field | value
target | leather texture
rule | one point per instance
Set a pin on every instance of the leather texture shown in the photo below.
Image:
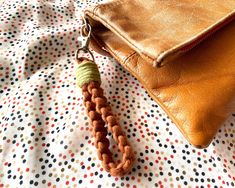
(196, 89)
(161, 30)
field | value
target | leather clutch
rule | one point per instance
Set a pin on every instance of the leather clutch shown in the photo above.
(182, 52)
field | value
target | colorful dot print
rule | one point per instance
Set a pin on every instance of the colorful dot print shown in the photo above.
(45, 133)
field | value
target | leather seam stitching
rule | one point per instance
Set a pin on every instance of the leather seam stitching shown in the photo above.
(129, 56)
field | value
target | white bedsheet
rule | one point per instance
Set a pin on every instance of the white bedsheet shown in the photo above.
(45, 134)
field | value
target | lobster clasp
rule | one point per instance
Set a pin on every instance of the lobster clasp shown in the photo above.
(84, 40)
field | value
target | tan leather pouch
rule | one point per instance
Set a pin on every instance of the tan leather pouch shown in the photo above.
(183, 53)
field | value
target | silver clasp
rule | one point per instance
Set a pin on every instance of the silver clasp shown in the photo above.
(84, 40)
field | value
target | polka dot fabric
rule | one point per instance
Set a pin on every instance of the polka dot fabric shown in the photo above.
(45, 133)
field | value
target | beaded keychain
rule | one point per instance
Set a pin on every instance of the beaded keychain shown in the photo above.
(99, 111)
